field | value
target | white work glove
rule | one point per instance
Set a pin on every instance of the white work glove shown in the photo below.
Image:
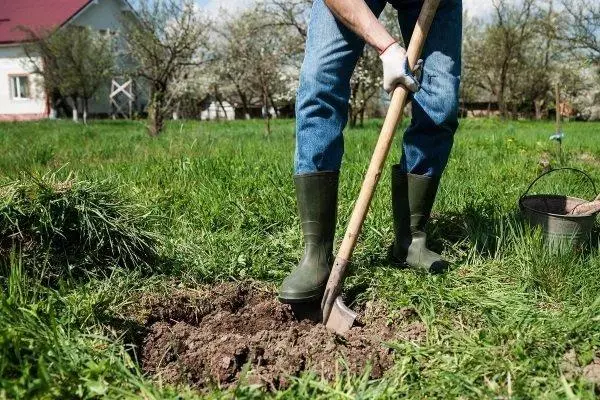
(396, 70)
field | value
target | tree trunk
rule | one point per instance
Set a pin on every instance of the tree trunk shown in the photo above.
(558, 113)
(75, 111)
(273, 105)
(501, 104)
(84, 110)
(244, 100)
(54, 103)
(156, 113)
(503, 107)
(223, 108)
(175, 115)
(266, 113)
(352, 111)
(63, 107)
(220, 101)
(537, 104)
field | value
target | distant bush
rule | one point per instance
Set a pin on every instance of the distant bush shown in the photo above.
(73, 227)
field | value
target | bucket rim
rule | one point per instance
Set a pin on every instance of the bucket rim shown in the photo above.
(523, 207)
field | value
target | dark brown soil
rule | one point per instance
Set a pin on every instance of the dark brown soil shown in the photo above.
(240, 332)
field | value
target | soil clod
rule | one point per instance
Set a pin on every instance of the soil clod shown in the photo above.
(232, 333)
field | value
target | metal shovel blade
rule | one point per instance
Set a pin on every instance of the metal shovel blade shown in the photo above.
(341, 318)
(336, 315)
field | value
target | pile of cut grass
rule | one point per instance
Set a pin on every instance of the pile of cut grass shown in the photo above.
(71, 227)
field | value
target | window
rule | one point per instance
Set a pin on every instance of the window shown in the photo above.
(108, 33)
(19, 87)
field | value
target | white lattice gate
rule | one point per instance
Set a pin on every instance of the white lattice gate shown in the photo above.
(122, 98)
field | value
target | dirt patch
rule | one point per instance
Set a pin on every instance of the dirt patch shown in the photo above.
(589, 158)
(571, 368)
(232, 333)
(569, 364)
(591, 372)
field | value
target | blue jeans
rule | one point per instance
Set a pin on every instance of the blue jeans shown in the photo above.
(332, 51)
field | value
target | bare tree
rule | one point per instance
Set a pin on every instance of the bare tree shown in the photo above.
(583, 24)
(188, 90)
(74, 63)
(252, 58)
(474, 84)
(257, 56)
(493, 52)
(542, 58)
(512, 28)
(166, 38)
(582, 39)
(228, 69)
(291, 13)
(365, 85)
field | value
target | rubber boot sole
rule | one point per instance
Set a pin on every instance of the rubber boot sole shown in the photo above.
(304, 297)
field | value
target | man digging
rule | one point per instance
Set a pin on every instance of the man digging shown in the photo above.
(337, 33)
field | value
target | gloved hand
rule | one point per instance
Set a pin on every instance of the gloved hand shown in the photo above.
(396, 70)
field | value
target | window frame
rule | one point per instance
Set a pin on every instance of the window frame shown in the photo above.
(15, 86)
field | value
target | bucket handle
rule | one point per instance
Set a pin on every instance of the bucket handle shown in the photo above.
(589, 178)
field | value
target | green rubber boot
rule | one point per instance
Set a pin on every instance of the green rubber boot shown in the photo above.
(412, 200)
(316, 194)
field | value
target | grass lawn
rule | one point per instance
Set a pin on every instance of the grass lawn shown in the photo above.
(509, 320)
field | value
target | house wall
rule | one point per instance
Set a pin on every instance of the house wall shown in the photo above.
(101, 15)
(14, 62)
(215, 112)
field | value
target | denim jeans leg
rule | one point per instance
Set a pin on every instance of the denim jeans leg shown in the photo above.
(428, 140)
(332, 51)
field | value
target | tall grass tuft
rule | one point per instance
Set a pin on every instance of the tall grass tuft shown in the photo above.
(73, 227)
(43, 354)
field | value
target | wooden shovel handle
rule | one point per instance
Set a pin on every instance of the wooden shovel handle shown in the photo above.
(392, 120)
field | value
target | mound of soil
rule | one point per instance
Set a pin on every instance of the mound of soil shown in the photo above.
(239, 332)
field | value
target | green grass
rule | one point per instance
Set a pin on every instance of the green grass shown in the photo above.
(221, 200)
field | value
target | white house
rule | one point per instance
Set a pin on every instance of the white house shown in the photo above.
(211, 109)
(21, 95)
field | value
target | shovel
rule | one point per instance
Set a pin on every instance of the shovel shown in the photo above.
(334, 313)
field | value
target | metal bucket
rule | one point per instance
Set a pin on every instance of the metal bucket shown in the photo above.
(551, 213)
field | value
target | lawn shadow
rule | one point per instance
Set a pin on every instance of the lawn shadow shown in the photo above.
(595, 237)
(131, 333)
(353, 292)
(481, 225)
(477, 225)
